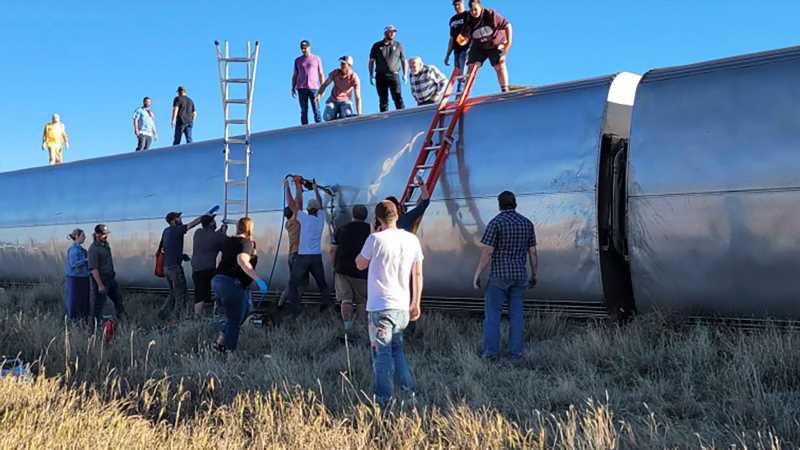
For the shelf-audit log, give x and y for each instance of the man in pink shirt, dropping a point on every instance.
(306, 79)
(346, 84)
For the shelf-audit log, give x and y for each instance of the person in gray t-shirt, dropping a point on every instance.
(206, 245)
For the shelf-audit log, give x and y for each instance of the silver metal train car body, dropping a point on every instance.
(543, 144)
(694, 212)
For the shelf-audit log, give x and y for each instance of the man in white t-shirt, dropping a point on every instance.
(309, 253)
(394, 258)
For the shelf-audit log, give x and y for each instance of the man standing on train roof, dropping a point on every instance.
(104, 278)
(54, 139)
(171, 246)
(490, 36)
(458, 50)
(183, 115)
(386, 60)
(144, 125)
(509, 242)
(309, 254)
(428, 83)
(346, 85)
(306, 80)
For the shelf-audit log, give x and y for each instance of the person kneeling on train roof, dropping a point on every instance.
(508, 241)
(351, 283)
(491, 37)
(171, 246)
(428, 83)
(346, 84)
(309, 254)
(77, 277)
(394, 258)
(207, 243)
(104, 283)
(235, 273)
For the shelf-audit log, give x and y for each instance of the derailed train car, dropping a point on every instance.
(692, 213)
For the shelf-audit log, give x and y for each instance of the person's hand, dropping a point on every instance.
(476, 282)
(372, 80)
(532, 281)
(185, 257)
(405, 79)
(294, 93)
(414, 312)
(316, 98)
(224, 228)
(172, 124)
(447, 60)
(262, 285)
(102, 289)
(314, 183)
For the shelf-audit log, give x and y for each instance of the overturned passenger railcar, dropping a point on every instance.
(557, 147)
(714, 185)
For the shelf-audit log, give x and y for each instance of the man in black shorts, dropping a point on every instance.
(490, 34)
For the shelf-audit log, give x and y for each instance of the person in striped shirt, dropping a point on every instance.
(427, 82)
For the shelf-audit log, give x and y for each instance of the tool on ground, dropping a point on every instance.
(237, 107)
(439, 139)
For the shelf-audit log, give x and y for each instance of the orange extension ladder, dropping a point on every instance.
(447, 116)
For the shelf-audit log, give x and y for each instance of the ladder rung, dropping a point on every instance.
(425, 166)
(234, 202)
(240, 101)
(236, 59)
(236, 182)
(440, 129)
(236, 80)
(236, 122)
(236, 141)
(230, 221)
(236, 162)
(432, 147)
(448, 110)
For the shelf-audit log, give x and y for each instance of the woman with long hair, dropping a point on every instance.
(77, 277)
(235, 273)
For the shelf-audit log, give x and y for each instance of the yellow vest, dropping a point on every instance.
(54, 134)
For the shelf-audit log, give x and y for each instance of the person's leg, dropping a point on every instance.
(51, 155)
(302, 96)
(460, 61)
(81, 295)
(300, 269)
(59, 154)
(181, 300)
(516, 319)
(139, 142)
(502, 76)
(344, 294)
(314, 104)
(395, 87)
(382, 85)
(346, 109)
(176, 140)
(330, 111)
(170, 275)
(285, 293)
(494, 299)
(202, 291)
(116, 297)
(148, 141)
(70, 298)
(380, 337)
(187, 131)
(235, 308)
(318, 272)
(98, 303)
(402, 372)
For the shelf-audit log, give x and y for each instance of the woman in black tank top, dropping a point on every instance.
(235, 274)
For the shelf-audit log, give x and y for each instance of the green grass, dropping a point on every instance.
(655, 383)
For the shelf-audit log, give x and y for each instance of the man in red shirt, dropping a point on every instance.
(490, 34)
(346, 85)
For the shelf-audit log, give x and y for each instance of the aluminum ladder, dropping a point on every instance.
(237, 105)
(439, 140)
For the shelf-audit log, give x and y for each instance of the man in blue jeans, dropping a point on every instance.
(509, 242)
(183, 116)
(394, 259)
(306, 80)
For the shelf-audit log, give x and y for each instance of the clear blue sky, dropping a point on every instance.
(93, 61)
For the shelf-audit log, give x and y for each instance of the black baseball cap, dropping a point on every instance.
(455, 2)
(172, 216)
(181, 89)
(206, 220)
(101, 228)
(305, 43)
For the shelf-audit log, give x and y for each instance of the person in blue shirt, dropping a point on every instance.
(77, 274)
(144, 126)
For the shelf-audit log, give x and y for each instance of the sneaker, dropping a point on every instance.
(489, 357)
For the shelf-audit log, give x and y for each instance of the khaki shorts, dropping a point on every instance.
(350, 290)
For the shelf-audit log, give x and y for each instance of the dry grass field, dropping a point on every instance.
(655, 383)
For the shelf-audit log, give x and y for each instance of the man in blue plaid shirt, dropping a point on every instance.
(427, 82)
(509, 242)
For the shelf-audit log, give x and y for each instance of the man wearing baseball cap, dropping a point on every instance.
(489, 36)
(386, 60)
(104, 283)
(183, 115)
(171, 246)
(306, 79)
(346, 85)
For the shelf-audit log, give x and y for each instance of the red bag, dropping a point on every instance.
(159, 270)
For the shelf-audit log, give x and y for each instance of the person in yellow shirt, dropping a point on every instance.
(54, 139)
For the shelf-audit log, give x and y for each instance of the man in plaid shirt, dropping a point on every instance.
(509, 242)
(427, 82)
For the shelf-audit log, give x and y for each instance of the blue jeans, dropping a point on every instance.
(182, 129)
(499, 292)
(236, 300)
(176, 282)
(337, 110)
(306, 96)
(389, 364)
(460, 61)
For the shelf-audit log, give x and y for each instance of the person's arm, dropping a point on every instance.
(533, 258)
(450, 46)
(371, 70)
(322, 87)
(320, 72)
(332, 252)
(294, 80)
(318, 196)
(160, 248)
(64, 136)
(193, 223)
(298, 194)
(509, 37)
(97, 279)
(244, 262)
(404, 62)
(486, 258)
(44, 136)
(174, 115)
(155, 130)
(362, 260)
(78, 259)
(135, 126)
(290, 201)
(358, 98)
(194, 115)
(416, 294)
